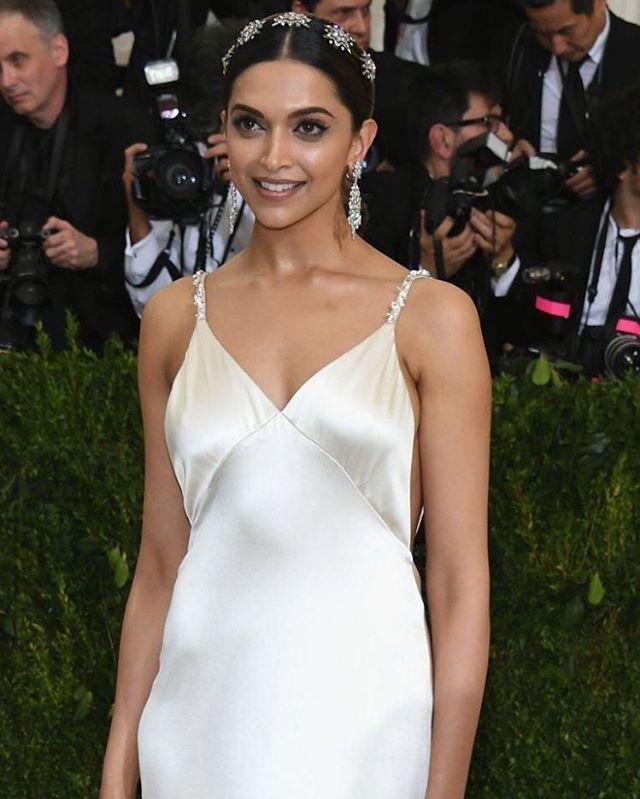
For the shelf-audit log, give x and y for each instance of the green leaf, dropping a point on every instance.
(596, 590)
(121, 573)
(541, 372)
(85, 700)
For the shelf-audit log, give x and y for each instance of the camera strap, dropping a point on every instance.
(163, 261)
(57, 153)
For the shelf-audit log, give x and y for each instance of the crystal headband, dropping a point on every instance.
(334, 34)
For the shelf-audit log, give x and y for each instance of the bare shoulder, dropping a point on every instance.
(440, 337)
(167, 323)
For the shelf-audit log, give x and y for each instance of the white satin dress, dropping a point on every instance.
(295, 660)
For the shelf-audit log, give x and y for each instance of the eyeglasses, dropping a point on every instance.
(491, 121)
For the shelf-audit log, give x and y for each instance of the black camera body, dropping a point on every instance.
(555, 302)
(524, 188)
(172, 180)
(28, 271)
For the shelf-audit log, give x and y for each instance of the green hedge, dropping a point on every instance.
(561, 715)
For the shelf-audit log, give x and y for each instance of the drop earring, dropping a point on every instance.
(354, 216)
(234, 199)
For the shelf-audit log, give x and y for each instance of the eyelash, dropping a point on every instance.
(240, 124)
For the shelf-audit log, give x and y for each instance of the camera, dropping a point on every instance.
(172, 180)
(24, 283)
(523, 188)
(556, 294)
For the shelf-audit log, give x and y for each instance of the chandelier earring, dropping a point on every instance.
(354, 217)
(234, 200)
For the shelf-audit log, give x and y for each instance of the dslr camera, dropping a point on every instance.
(24, 284)
(523, 188)
(172, 180)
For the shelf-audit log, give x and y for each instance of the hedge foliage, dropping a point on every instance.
(561, 716)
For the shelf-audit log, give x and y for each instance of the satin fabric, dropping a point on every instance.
(295, 660)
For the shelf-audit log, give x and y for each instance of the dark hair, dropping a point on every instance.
(310, 5)
(577, 6)
(441, 96)
(309, 46)
(615, 135)
(44, 14)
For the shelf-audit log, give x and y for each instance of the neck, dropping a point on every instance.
(626, 208)
(436, 167)
(46, 116)
(320, 241)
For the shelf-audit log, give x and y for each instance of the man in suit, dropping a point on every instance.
(563, 60)
(437, 31)
(600, 242)
(60, 161)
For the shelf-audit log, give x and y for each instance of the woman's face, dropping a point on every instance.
(289, 140)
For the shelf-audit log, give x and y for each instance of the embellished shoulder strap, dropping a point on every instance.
(198, 295)
(403, 291)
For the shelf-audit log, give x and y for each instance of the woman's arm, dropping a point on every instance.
(454, 385)
(165, 531)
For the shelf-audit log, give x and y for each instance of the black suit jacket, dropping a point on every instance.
(521, 64)
(90, 196)
(457, 28)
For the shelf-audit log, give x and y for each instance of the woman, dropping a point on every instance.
(275, 580)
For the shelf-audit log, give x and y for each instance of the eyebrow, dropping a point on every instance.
(313, 109)
(16, 53)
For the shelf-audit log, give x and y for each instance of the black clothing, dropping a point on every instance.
(570, 238)
(88, 194)
(393, 201)
(523, 62)
(88, 25)
(393, 75)
(458, 29)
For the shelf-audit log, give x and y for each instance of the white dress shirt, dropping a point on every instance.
(140, 257)
(553, 84)
(412, 39)
(611, 261)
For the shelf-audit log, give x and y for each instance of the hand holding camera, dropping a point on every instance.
(493, 234)
(67, 247)
(456, 250)
(583, 182)
(218, 151)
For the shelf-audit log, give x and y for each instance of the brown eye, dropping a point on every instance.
(311, 128)
(246, 124)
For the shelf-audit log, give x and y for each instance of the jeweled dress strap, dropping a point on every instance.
(198, 295)
(402, 293)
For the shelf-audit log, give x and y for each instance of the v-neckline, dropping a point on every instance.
(302, 387)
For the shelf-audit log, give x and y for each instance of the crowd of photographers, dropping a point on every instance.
(508, 162)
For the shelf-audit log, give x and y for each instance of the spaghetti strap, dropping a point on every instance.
(199, 294)
(402, 293)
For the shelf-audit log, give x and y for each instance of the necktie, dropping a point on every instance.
(573, 111)
(620, 296)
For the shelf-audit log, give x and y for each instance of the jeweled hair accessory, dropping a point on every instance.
(339, 38)
(368, 66)
(246, 34)
(292, 20)
(334, 34)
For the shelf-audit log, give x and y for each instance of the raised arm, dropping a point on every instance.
(454, 386)
(165, 531)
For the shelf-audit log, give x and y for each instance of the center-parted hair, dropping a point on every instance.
(308, 45)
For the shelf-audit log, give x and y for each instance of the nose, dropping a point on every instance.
(359, 27)
(276, 154)
(558, 45)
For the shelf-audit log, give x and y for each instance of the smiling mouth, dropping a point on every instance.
(277, 188)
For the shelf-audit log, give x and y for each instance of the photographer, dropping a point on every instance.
(59, 163)
(560, 64)
(595, 247)
(160, 250)
(451, 106)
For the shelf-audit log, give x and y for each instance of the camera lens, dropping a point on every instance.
(179, 174)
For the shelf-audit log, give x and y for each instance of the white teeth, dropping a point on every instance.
(277, 186)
